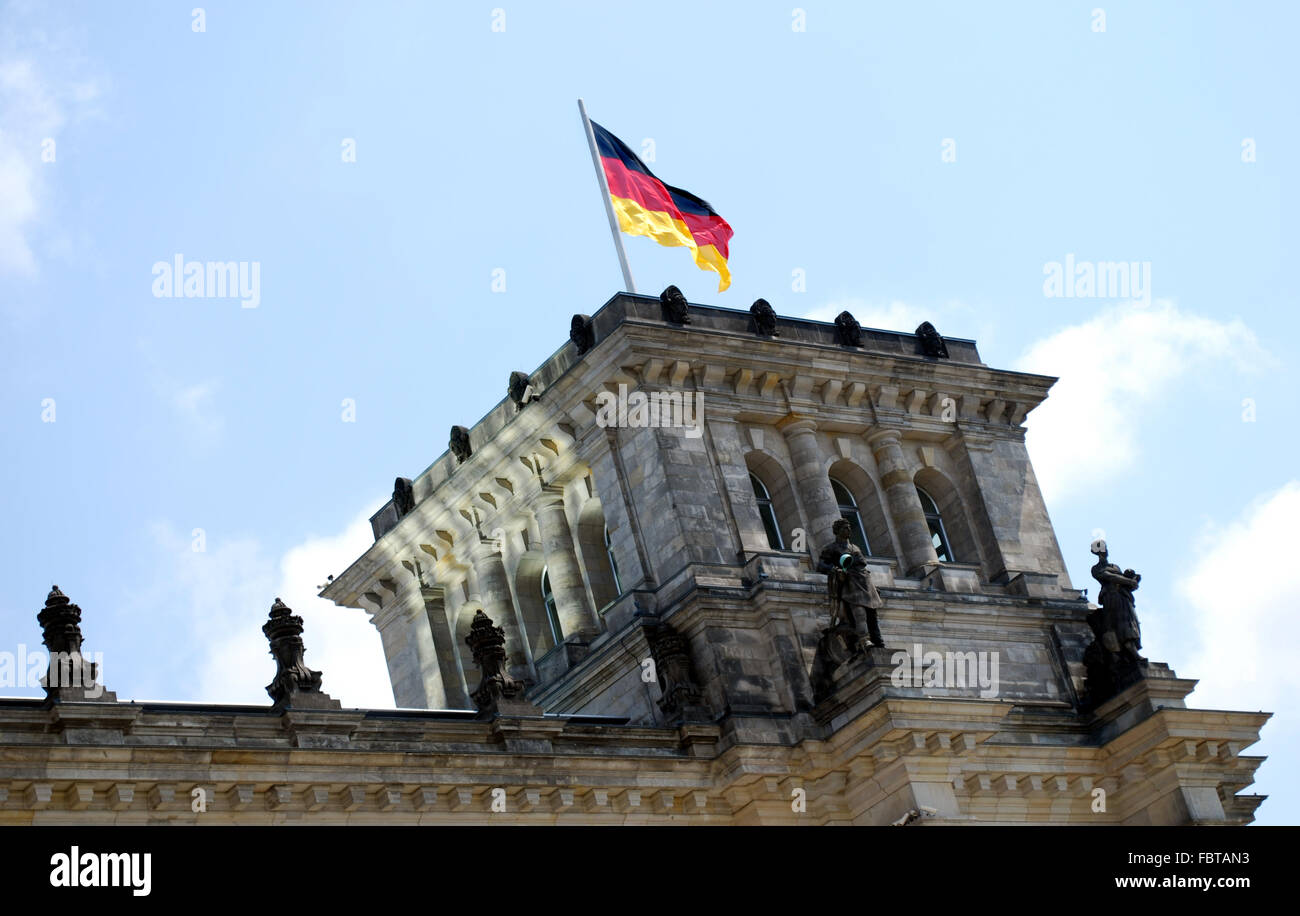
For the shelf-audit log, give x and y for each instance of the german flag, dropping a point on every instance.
(670, 216)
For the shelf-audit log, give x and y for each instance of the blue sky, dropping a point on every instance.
(824, 150)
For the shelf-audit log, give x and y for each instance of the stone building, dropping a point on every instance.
(602, 605)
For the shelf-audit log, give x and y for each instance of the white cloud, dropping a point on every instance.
(219, 599)
(1239, 596)
(341, 642)
(1111, 368)
(344, 643)
(27, 116)
(37, 101)
(1241, 592)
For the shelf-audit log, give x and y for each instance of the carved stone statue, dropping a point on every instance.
(581, 333)
(932, 344)
(1113, 661)
(519, 390)
(847, 330)
(459, 444)
(681, 700)
(854, 600)
(764, 318)
(853, 605)
(403, 496)
(295, 685)
(674, 306)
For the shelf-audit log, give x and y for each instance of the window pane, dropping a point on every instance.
(940, 542)
(858, 536)
(769, 523)
(842, 495)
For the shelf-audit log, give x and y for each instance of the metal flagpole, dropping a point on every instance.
(604, 193)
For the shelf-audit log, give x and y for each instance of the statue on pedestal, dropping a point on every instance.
(1113, 660)
(854, 602)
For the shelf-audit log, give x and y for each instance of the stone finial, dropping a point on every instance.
(459, 444)
(497, 693)
(682, 700)
(764, 318)
(521, 390)
(932, 344)
(848, 332)
(60, 622)
(581, 333)
(403, 496)
(673, 303)
(70, 676)
(295, 686)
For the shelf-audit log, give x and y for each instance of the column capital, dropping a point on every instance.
(550, 496)
(883, 437)
(485, 548)
(795, 423)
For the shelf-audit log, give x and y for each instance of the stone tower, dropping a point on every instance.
(641, 517)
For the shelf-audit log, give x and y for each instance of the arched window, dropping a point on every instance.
(613, 563)
(548, 599)
(849, 512)
(767, 514)
(935, 521)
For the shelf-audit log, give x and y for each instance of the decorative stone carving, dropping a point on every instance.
(403, 496)
(521, 391)
(581, 333)
(682, 700)
(764, 318)
(674, 306)
(295, 686)
(853, 599)
(848, 332)
(459, 444)
(932, 344)
(1112, 660)
(853, 605)
(497, 692)
(69, 676)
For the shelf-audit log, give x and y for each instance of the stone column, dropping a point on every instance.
(724, 435)
(819, 504)
(454, 688)
(904, 504)
(494, 594)
(401, 652)
(576, 617)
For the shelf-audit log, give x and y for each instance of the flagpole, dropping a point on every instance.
(604, 193)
